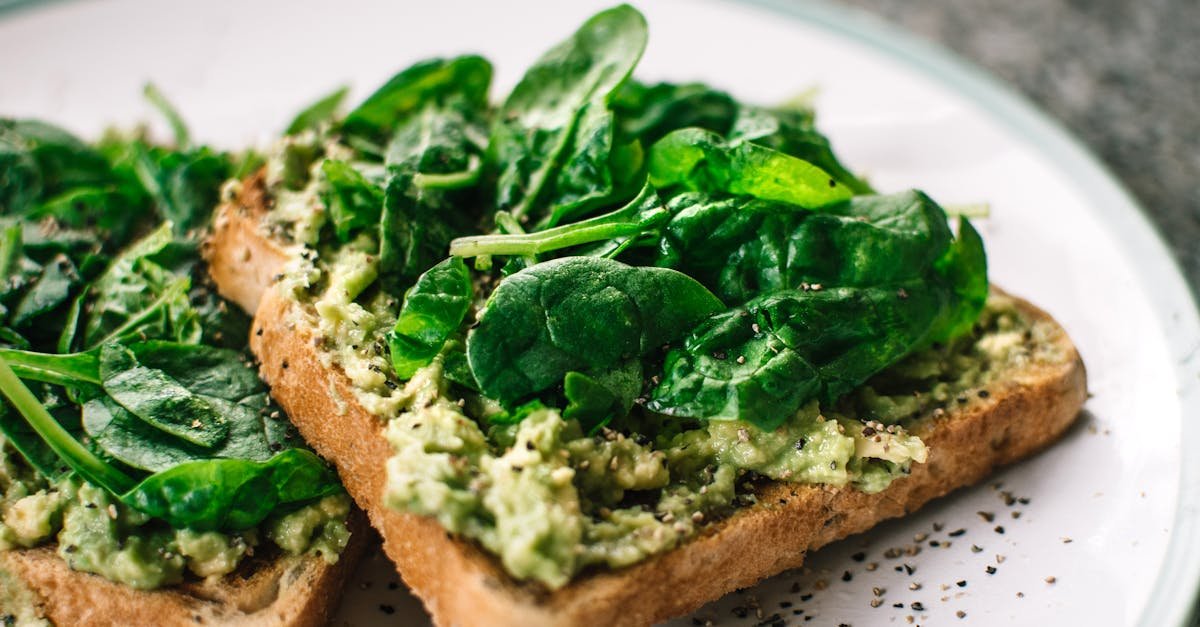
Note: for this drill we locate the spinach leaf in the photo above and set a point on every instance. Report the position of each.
(41, 161)
(353, 201)
(741, 247)
(433, 163)
(760, 362)
(406, 93)
(159, 400)
(185, 186)
(581, 314)
(700, 160)
(138, 297)
(318, 112)
(231, 494)
(792, 130)
(553, 141)
(597, 400)
(49, 291)
(647, 112)
(433, 310)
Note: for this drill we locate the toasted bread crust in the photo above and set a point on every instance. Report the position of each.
(287, 591)
(460, 584)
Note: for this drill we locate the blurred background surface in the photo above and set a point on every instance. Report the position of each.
(1122, 75)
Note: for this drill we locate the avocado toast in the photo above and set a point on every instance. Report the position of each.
(145, 477)
(608, 350)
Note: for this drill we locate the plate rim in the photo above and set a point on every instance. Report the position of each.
(1176, 592)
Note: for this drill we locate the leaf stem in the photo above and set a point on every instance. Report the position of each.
(76, 455)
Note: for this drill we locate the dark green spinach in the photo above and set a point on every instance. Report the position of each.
(434, 308)
(582, 314)
(554, 144)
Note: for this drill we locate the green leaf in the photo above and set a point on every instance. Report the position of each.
(647, 112)
(554, 135)
(581, 314)
(433, 310)
(792, 130)
(420, 219)
(231, 494)
(700, 160)
(159, 400)
(48, 292)
(412, 89)
(741, 247)
(596, 400)
(318, 112)
(183, 138)
(353, 201)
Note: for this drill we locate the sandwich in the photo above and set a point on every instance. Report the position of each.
(145, 475)
(605, 350)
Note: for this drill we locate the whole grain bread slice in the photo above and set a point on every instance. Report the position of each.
(280, 591)
(460, 584)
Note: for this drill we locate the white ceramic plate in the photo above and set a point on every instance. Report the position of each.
(1107, 530)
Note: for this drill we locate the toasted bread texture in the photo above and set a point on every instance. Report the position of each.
(280, 591)
(460, 584)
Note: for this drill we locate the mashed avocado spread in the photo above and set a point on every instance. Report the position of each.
(95, 533)
(551, 500)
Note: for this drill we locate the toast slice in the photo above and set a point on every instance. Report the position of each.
(284, 591)
(460, 584)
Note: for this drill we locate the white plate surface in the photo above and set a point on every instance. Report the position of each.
(1109, 517)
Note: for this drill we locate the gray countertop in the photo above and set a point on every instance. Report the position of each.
(1122, 75)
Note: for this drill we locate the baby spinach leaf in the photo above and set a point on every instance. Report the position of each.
(433, 162)
(138, 297)
(762, 361)
(41, 161)
(433, 309)
(48, 293)
(701, 160)
(353, 201)
(647, 112)
(185, 186)
(231, 494)
(741, 247)
(581, 314)
(595, 400)
(553, 141)
(318, 112)
(159, 400)
(792, 130)
(406, 93)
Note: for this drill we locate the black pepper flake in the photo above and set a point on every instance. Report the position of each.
(70, 548)
(987, 516)
(847, 576)
(956, 533)
(259, 332)
(795, 587)
(285, 364)
(934, 543)
(387, 609)
(910, 569)
(1000, 529)
(917, 606)
(858, 557)
(1023, 500)
(991, 570)
(785, 604)
(806, 598)
(898, 605)
(983, 394)
(800, 444)
(719, 355)
(962, 583)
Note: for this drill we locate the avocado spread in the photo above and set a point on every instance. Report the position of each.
(551, 500)
(96, 533)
